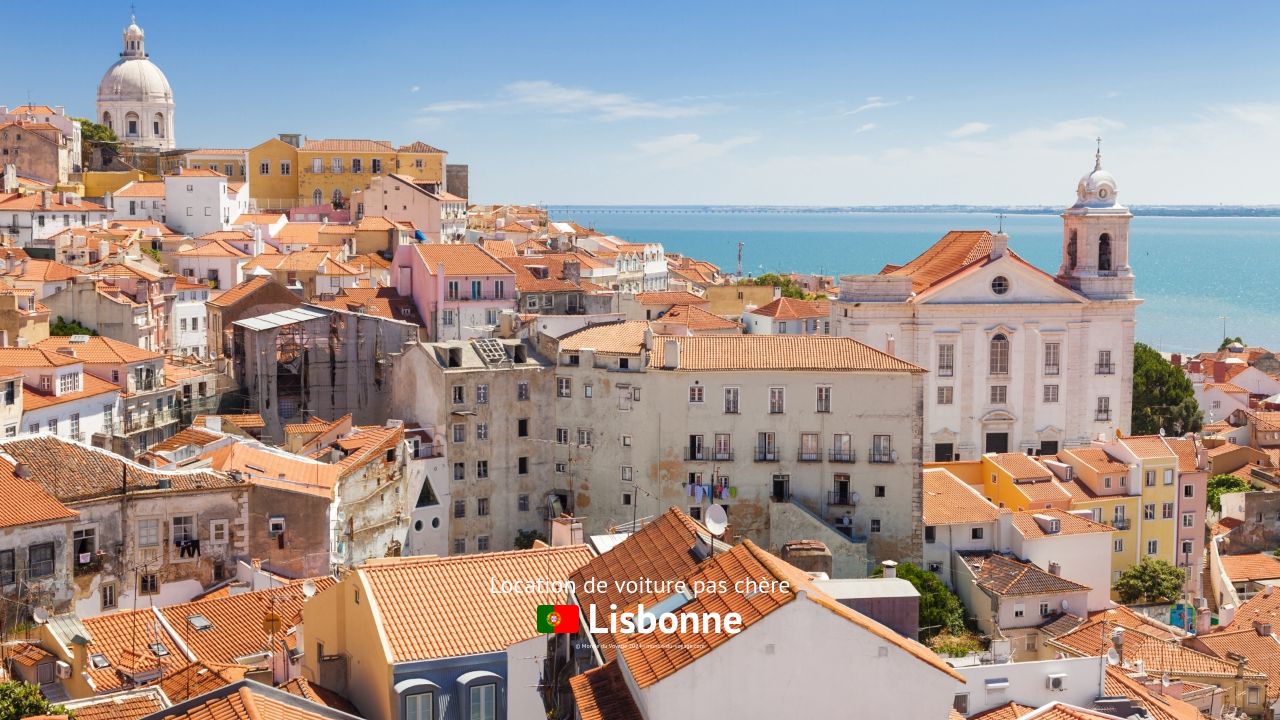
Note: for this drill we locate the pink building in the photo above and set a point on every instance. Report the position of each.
(459, 290)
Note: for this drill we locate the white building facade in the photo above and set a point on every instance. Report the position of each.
(1019, 360)
(134, 97)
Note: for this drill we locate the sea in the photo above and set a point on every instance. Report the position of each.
(1198, 277)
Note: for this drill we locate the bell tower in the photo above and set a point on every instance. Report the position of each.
(1095, 239)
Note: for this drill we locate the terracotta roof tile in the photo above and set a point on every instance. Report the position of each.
(1008, 577)
(1262, 653)
(1020, 466)
(1263, 607)
(34, 398)
(319, 695)
(199, 677)
(603, 694)
(275, 468)
(1097, 459)
(1008, 711)
(347, 145)
(142, 188)
(670, 297)
(26, 654)
(44, 271)
(1159, 706)
(1148, 447)
(785, 308)
(239, 292)
(128, 705)
(98, 349)
(381, 302)
(187, 437)
(696, 318)
(614, 338)
(244, 421)
(956, 250)
(1158, 655)
(776, 352)
(1069, 524)
(214, 248)
(948, 500)
(248, 700)
(465, 259)
(1255, 566)
(419, 600)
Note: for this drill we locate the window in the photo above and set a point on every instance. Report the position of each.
(1188, 520)
(75, 424)
(998, 360)
(586, 389)
(1104, 409)
(1105, 366)
(1149, 511)
(83, 544)
(482, 506)
(459, 546)
(376, 165)
(875, 525)
(626, 498)
(522, 391)
(459, 432)
(419, 706)
(148, 532)
(1186, 547)
(1000, 285)
(1118, 545)
(482, 431)
(1166, 511)
(482, 393)
(68, 383)
(40, 560)
(626, 441)
(961, 703)
(1052, 358)
(1188, 491)
(626, 473)
(1106, 481)
(483, 705)
(219, 532)
(107, 596)
(482, 471)
(946, 394)
(1051, 393)
(522, 466)
(584, 437)
(1168, 476)
(731, 400)
(975, 533)
(459, 395)
(459, 471)
(8, 571)
(184, 528)
(695, 393)
(564, 387)
(522, 427)
(459, 508)
(1031, 642)
(1044, 609)
(881, 450)
(999, 394)
(562, 436)
(446, 318)
(823, 399)
(562, 468)
(930, 534)
(777, 400)
(1153, 547)
(286, 168)
(264, 168)
(1150, 478)
(1104, 252)
(946, 360)
(809, 451)
(357, 165)
(1019, 610)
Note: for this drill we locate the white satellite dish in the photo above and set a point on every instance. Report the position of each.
(1113, 657)
(309, 588)
(40, 615)
(717, 520)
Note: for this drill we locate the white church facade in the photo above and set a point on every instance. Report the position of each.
(1018, 360)
(134, 97)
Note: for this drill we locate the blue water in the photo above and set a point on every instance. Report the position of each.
(1190, 271)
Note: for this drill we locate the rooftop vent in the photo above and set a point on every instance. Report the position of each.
(79, 339)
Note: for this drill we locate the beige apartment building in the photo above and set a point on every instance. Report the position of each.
(795, 436)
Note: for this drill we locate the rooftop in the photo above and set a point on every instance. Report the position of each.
(948, 500)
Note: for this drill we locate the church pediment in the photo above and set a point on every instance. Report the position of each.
(1005, 280)
(997, 416)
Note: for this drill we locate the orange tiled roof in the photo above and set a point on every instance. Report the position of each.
(244, 421)
(419, 600)
(214, 248)
(319, 695)
(420, 147)
(1254, 566)
(1187, 450)
(603, 694)
(785, 308)
(1263, 607)
(695, 318)
(1158, 655)
(948, 500)
(1148, 447)
(28, 655)
(1009, 577)
(195, 172)
(190, 436)
(35, 201)
(142, 188)
(1117, 683)
(249, 700)
(129, 705)
(276, 469)
(347, 145)
(613, 338)
(1020, 466)
(776, 352)
(1043, 491)
(197, 678)
(1069, 523)
(463, 259)
(267, 218)
(955, 251)
(34, 398)
(99, 349)
(1097, 459)
(239, 292)
(499, 248)
(44, 271)
(1261, 651)
(670, 297)
(125, 639)
(1008, 711)
(236, 630)
(381, 302)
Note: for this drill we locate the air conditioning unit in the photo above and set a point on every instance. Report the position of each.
(1056, 681)
(64, 670)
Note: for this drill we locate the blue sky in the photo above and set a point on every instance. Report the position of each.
(708, 102)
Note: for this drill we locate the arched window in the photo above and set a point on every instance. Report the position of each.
(106, 120)
(1104, 252)
(1071, 251)
(999, 360)
(131, 125)
(337, 198)
(157, 125)
(317, 197)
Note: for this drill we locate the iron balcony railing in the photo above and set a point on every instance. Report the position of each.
(1102, 415)
(722, 454)
(1105, 368)
(877, 456)
(766, 454)
(812, 455)
(842, 456)
(1120, 523)
(695, 453)
(839, 497)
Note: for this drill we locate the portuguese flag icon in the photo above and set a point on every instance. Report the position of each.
(557, 618)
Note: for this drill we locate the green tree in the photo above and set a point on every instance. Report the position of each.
(1227, 341)
(23, 700)
(526, 538)
(1150, 580)
(1162, 396)
(940, 609)
(789, 287)
(65, 328)
(93, 136)
(1220, 485)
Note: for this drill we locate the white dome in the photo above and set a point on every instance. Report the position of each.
(1098, 188)
(134, 79)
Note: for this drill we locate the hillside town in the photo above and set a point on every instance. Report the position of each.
(298, 430)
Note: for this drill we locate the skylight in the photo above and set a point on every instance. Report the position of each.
(98, 661)
(159, 649)
(199, 622)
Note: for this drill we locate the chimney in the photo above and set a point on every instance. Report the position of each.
(22, 470)
(108, 201)
(1117, 639)
(890, 345)
(999, 245)
(103, 249)
(1262, 628)
(890, 568)
(45, 197)
(10, 178)
(1175, 359)
(671, 354)
(1219, 372)
(10, 263)
(1055, 569)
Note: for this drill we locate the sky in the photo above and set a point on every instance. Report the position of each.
(808, 103)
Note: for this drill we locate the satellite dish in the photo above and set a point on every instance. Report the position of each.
(309, 588)
(1113, 657)
(717, 520)
(40, 615)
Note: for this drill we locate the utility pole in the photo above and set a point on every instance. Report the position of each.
(740, 243)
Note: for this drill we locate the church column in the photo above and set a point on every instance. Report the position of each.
(1025, 410)
(1077, 390)
(968, 374)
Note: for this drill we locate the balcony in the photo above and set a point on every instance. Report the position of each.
(766, 454)
(1052, 370)
(91, 567)
(433, 450)
(1119, 523)
(810, 455)
(841, 497)
(695, 453)
(877, 456)
(722, 454)
(475, 298)
(1102, 416)
(842, 456)
(1105, 369)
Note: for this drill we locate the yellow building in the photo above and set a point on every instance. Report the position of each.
(1100, 483)
(231, 162)
(421, 162)
(273, 174)
(331, 170)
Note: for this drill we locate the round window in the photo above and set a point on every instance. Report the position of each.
(417, 526)
(435, 522)
(1000, 285)
(1102, 193)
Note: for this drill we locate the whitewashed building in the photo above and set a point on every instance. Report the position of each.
(1019, 360)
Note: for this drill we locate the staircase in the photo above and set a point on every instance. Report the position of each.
(790, 520)
(54, 693)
